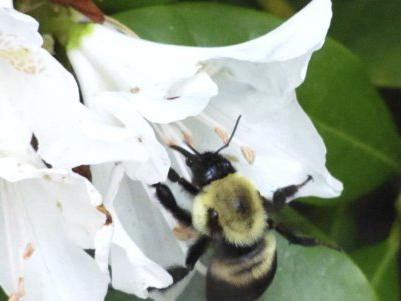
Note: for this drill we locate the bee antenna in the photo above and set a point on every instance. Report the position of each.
(231, 136)
(192, 148)
(183, 151)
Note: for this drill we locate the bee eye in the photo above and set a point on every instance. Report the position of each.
(213, 220)
(213, 214)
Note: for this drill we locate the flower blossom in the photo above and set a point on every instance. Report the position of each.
(195, 94)
(48, 217)
(69, 134)
(256, 79)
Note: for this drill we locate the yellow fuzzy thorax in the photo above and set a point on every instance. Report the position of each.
(240, 209)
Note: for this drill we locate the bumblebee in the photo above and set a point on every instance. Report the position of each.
(230, 214)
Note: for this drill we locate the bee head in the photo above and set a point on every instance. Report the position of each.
(208, 166)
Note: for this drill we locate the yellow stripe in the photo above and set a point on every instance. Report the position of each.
(230, 272)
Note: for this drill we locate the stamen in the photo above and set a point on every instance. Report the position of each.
(29, 250)
(178, 157)
(247, 152)
(163, 135)
(222, 133)
(188, 137)
(20, 292)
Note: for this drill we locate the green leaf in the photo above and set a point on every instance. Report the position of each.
(311, 274)
(361, 137)
(371, 28)
(114, 6)
(379, 262)
(114, 295)
(362, 141)
(197, 24)
(3, 296)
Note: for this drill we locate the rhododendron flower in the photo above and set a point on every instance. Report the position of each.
(41, 98)
(188, 94)
(48, 217)
(257, 79)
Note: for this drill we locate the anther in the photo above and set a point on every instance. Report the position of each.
(20, 292)
(248, 153)
(167, 139)
(186, 133)
(223, 134)
(29, 250)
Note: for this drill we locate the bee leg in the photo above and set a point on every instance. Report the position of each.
(194, 253)
(173, 176)
(301, 240)
(281, 195)
(167, 199)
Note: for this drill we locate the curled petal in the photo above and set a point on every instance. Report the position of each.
(152, 163)
(160, 78)
(140, 234)
(276, 63)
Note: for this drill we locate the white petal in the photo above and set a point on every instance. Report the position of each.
(69, 134)
(37, 253)
(71, 194)
(91, 81)
(152, 162)
(185, 98)
(302, 33)
(160, 78)
(277, 62)
(17, 29)
(6, 3)
(139, 236)
(168, 83)
(286, 144)
(15, 137)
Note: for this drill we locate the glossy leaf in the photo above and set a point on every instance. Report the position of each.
(379, 262)
(114, 295)
(114, 6)
(371, 28)
(311, 274)
(197, 24)
(363, 145)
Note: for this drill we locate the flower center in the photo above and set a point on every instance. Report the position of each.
(167, 133)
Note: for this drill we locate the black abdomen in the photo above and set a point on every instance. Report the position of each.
(245, 278)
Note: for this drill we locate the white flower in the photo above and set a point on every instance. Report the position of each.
(276, 144)
(43, 99)
(257, 79)
(69, 134)
(47, 218)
